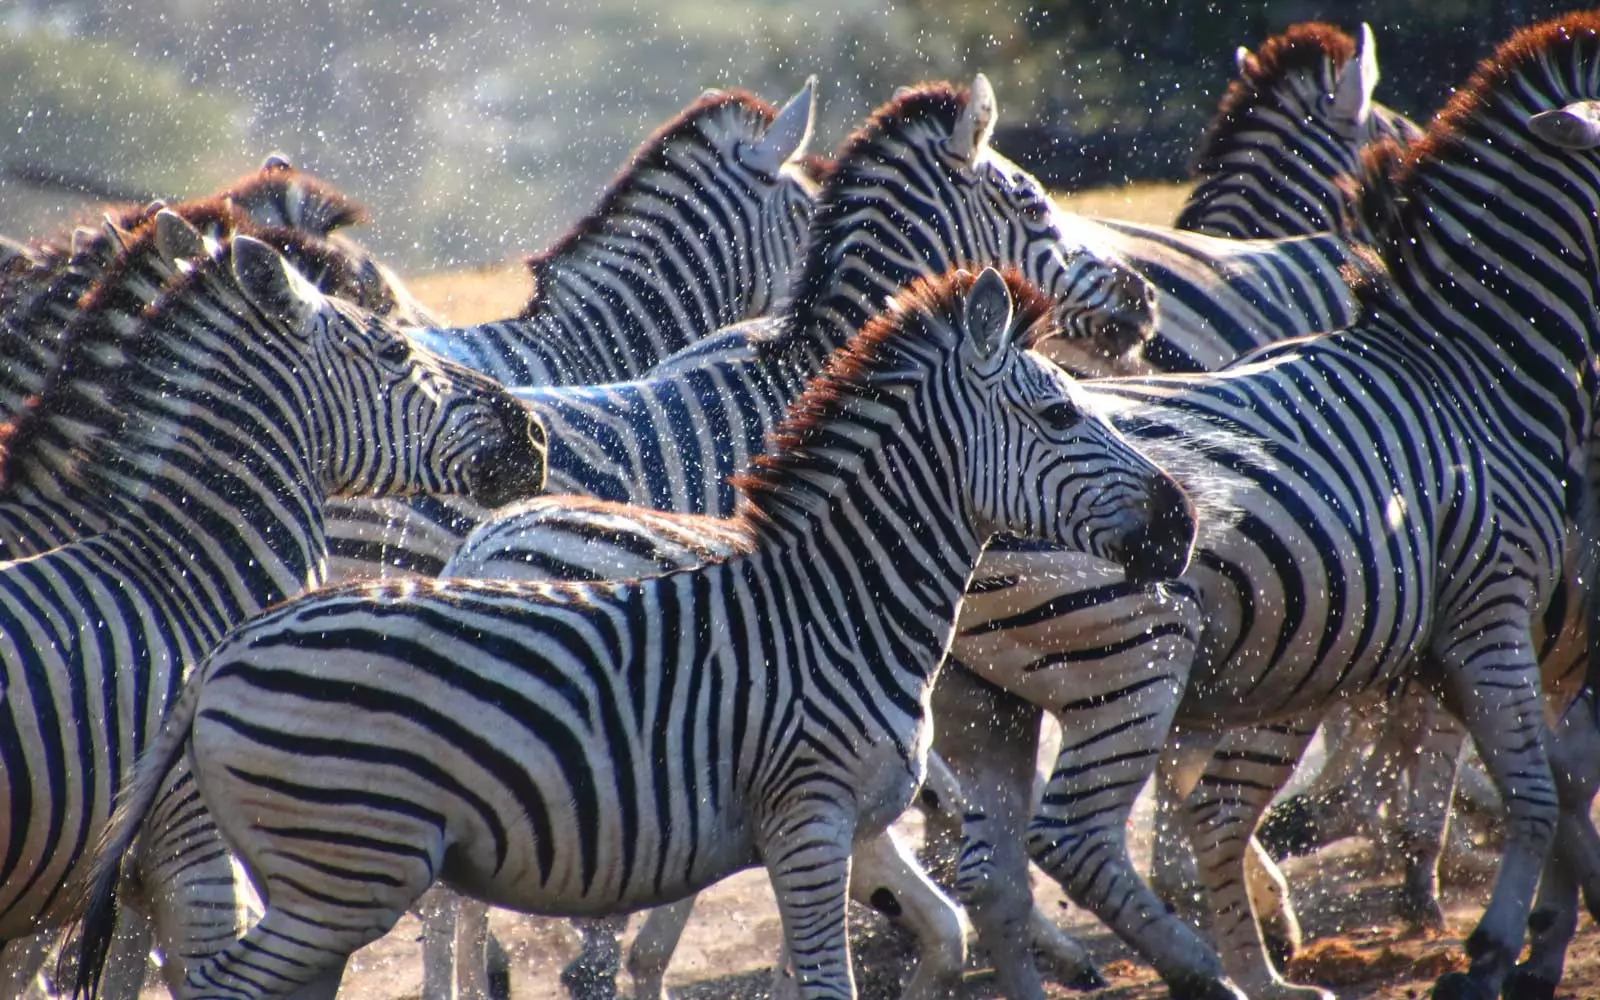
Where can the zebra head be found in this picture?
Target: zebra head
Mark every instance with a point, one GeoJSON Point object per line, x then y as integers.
{"type": "Point", "coordinates": [1040, 460]}
{"type": "Point", "coordinates": [394, 418]}
{"type": "Point", "coordinates": [918, 190]}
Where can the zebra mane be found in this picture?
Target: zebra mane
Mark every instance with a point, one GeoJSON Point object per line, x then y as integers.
{"type": "Point", "coordinates": [78, 415]}
{"type": "Point", "coordinates": [744, 109]}
{"type": "Point", "coordinates": [912, 109]}
{"type": "Point", "coordinates": [278, 194]}
{"type": "Point", "coordinates": [919, 313]}
{"type": "Point", "coordinates": [1311, 48]}
{"type": "Point", "coordinates": [1382, 197]}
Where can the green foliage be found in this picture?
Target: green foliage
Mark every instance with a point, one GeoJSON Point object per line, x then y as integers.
{"type": "Point", "coordinates": [85, 109]}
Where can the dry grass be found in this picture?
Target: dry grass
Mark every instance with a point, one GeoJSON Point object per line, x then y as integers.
{"type": "Point", "coordinates": [1151, 203]}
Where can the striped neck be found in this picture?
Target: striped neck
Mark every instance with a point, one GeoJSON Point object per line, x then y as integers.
{"type": "Point", "coordinates": [216, 479]}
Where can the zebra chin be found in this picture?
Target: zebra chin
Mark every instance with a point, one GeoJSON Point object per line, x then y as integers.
{"type": "Point", "coordinates": [1159, 549]}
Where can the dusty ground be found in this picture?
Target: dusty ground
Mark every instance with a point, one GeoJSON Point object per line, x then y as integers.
{"type": "Point", "coordinates": [1356, 947]}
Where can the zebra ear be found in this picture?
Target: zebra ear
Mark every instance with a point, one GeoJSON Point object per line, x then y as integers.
{"type": "Point", "coordinates": [1352, 94]}
{"type": "Point", "coordinates": [1241, 60]}
{"type": "Point", "coordinates": [1576, 126]}
{"type": "Point", "coordinates": [275, 161]}
{"type": "Point", "coordinates": [790, 132]}
{"type": "Point", "coordinates": [976, 124]}
{"type": "Point", "coordinates": [987, 314]}
{"type": "Point", "coordinates": [274, 286]}
{"type": "Point", "coordinates": [177, 239]}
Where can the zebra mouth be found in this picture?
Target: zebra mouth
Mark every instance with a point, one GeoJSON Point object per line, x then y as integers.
{"type": "Point", "coordinates": [516, 469]}
{"type": "Point", "coordinates": [1160, 549]}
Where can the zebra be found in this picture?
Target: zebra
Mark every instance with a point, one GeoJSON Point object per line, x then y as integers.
{"type": "Point", "coordinates": [886, 481]}
{"type": "Point", "coordinates": [1285, 132]}
{"type": "Point", "coordinates": [53, 275]}
{"type": "Point", "coordinates": [206, 429]}
{"type": "Point", "coordinates": [700, 229]}
{"type": "Point", "coordinates": [42, 504]}
{"type": "Point", "coordinates": [672, 443]}
{"type": "Point", "coordinates": [1437, 450]}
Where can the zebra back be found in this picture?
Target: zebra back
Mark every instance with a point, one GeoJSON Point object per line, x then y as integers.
{"type": "Point", "coordinates": [699, 230]}
{"type": "Point", "coordinates": [1289, 127]}
{"type": "Point", "coordinates": [896, 205]}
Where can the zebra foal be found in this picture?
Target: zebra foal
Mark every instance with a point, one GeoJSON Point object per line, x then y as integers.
{"type": "Point", "coordinates": [765, 708]}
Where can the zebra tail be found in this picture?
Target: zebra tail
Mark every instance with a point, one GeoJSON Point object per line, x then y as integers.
{"type": "Point", "coordinates": [115, 848]}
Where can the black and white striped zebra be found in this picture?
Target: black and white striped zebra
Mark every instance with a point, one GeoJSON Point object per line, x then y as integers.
{"type": "Point", "coordinates": [206, 431]}
{"type": "Point", "coordinates": [701, 229]}
{"type": "Point", "coordinates": [672, 443]}
{"type": "Point", "coordinates": [49, 277]}
{"type": "Point", "coordinates": [1287, 129]}
{"type": "Point", "coordinates": [1426, 471]}
{"type": "Point", "coordinates": [43, 502]}
{"type": "Point", "coordinates": [762, 709]}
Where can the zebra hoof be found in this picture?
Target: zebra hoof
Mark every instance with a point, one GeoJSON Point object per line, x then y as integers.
{"type": "Point", "coordinates": [499, 963]}
{"type": "Point", "coordinates": [1460, 986]}
{"type": "Point", "coordinates": [1524, 985]}
{"type": "Point", "coordinates": [584, 982]}
{"type": "Point", "coordinates": [1087, 980]}
{"type": "Point", "coordinates": [1422, 914]}
{"type": "Point", "coordinates": [1280, 949]}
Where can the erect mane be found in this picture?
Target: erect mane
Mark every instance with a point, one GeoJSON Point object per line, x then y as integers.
{"type": "Point", "coordinates": [1381, 196]}
{"type": "Point", "coordinates": [934, 102]}
{"type": "Point", "coordinates": [90, 385]}
{"type": "Point", "coordinates": [1309, 48]}
{"type": "Point", "coordinates": [280, 195]}
{"type": "Point", "coordinates": [649, 157]}
{"type": "Point", "coordinates": [915, 313]}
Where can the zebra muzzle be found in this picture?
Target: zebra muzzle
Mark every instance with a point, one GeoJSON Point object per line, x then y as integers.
{"type": "Point", "coordinates": [1160, 549]}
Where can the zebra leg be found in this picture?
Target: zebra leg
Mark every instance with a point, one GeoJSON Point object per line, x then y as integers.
{"type": "Point", "coordinates": [1246, 771]}
{"type": "Point", "coordinates": [884, 877]}
{"type": "Point", "coordinates": [1574, 864]}
{"type": "Point", "coordinates": [808, 859]}
{"type": "Point", "coordinates": [438, 913]}
{"type": "Point", "coordinates": [1424, 814]}
{"type": "Point", "coordinates": [472, 949]}
{"type": "Point", "coordinates": [1173, 873]}
{"type": "Point", "coordinates": [989, 739]}
{"type": "Point", "coordinates": [653, 947]}
{"type": "Point", "coordinates": [593, 974]}
{"type": "Point", "coordinates": [1492, 679]}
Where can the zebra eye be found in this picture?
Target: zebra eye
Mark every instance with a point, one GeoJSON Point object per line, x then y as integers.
{"type": "Point", "coordinates": [1061, 416]}
{"type": "Point", "coordinates": [394, 349]}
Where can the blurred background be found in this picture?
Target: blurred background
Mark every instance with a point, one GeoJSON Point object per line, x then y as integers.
{"type": "Point", "coordinates": [476, 130]}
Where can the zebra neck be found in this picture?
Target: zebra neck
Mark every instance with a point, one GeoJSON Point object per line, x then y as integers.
{"type": "Point", "coordinates": [218, 489]}
{"type": "Point", "coordinates": [878, 542]}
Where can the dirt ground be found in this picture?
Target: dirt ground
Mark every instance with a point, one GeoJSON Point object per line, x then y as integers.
{"type": "Point", "coordinates": [1355, 946]}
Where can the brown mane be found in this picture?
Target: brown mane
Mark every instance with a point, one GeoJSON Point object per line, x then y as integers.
{"type": "Point", "coordinates": [935, 101]}
{"type": "Point", "coordinates": [1380, 196]}
{"type": "Point", "coordinates": [1306, 48]}
{"type": "Point", "coordinates": [849, 374]}
{"type": "Point", "coordinates": [279, 194]}
{"type": "Point", "coordinates": [650, 155]}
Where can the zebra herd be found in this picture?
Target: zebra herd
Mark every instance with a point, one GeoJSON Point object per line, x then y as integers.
{"type": "Point", "coordinates": [860, 464]}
